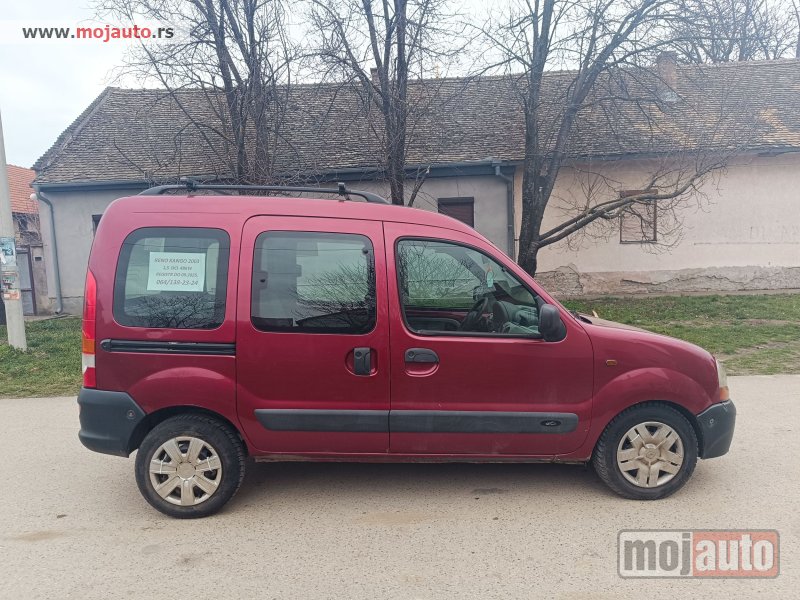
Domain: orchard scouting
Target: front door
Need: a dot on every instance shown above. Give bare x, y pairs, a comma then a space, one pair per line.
312, 337
26, 282
471, 374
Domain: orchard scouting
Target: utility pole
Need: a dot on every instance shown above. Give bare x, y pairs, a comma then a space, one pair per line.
9, 271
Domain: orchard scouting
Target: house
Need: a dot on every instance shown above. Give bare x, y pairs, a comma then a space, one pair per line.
30, 252
740, 231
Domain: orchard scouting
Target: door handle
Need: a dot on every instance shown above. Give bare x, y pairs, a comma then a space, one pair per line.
362, 361
421, 355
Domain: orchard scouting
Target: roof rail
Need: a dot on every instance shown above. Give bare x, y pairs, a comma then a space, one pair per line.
190, 185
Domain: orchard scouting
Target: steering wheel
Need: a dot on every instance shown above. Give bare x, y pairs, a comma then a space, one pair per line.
474, 314
500, 316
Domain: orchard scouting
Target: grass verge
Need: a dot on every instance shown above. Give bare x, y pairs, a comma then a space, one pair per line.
751, 334
50, 367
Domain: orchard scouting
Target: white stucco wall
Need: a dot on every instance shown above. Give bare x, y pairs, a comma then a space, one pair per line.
75, 232
488, 191
743, 230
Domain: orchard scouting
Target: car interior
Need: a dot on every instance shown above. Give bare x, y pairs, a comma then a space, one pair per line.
451, 288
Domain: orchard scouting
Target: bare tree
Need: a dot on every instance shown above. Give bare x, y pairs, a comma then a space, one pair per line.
734, 30
239, 56
382, 47
796, 26
605, 49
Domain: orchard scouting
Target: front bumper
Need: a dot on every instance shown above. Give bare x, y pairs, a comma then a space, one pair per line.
108, 420
716, 425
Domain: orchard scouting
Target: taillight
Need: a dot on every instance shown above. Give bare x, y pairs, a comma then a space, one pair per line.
88, 331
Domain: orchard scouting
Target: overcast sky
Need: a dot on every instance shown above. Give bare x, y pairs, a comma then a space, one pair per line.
45, 86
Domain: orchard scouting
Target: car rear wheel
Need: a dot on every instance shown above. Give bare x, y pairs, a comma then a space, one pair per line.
647, 452
189, 466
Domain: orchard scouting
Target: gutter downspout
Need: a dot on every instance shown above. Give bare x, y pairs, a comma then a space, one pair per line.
56, 270
509, 206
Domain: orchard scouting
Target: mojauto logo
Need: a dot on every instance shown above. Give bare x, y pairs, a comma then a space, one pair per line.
698, 553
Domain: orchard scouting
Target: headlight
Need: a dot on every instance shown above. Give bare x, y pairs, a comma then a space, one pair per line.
722, 377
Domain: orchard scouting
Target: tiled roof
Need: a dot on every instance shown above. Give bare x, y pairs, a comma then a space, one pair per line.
19, 183
134, 134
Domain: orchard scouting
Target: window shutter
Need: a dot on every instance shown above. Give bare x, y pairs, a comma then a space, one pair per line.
462, 209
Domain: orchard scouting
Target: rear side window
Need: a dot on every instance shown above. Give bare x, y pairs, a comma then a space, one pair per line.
308, 282
172, 277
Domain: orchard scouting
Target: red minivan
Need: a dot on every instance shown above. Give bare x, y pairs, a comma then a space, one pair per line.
221, 327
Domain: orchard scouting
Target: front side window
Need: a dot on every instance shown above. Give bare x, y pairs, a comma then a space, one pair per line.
449, 288
172, 277
308, 282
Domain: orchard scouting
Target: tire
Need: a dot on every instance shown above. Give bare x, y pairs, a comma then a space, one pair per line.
189, 466
647, 452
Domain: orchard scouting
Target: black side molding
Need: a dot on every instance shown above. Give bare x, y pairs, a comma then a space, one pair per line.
468, 421
108, 420
324, 420
416, 421
159, 347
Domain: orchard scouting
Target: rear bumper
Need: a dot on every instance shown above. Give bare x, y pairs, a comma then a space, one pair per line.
108, 420
716, 424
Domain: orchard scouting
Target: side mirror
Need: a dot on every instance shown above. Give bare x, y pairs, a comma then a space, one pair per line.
551, 326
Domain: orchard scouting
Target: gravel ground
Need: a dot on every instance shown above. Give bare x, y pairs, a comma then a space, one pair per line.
73, 524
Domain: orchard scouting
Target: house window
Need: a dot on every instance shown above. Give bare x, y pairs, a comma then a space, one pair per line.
637, 222
462, 209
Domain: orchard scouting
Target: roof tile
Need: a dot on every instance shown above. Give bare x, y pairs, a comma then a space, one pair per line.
150, 135
19, 183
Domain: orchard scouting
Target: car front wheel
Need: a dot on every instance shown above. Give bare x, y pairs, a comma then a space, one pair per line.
647, 452
189, 466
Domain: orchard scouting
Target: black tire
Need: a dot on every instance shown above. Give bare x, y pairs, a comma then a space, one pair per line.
605, 452
220, 438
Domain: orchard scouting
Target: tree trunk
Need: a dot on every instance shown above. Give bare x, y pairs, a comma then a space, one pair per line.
396, 184
529, 260
528, 241
534, 203
395, 159
397, 110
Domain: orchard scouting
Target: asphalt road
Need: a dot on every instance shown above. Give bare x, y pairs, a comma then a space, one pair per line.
72, 523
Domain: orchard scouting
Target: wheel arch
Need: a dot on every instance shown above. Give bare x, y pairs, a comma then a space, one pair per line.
159, 416
674, 405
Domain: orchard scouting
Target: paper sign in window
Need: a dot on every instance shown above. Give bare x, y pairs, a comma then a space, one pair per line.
176, 272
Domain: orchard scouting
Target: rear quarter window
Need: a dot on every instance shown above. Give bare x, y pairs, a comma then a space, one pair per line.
172, 277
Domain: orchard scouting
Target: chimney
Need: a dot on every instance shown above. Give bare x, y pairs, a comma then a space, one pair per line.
373, 73
667, 70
